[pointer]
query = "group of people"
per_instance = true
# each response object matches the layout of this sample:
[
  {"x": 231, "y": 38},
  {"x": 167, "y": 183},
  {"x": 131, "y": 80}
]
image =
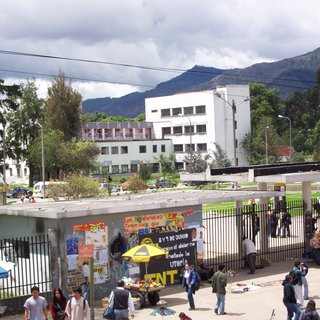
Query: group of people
[
  {"x": 296, "y": 291},
  {"x": 76, "y": 308},
  {"x": 60, "y": 307},
  {"x": 278, "y": 224}
]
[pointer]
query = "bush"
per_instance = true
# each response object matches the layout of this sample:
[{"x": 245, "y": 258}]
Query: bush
[{"x": 81, "y": 187}]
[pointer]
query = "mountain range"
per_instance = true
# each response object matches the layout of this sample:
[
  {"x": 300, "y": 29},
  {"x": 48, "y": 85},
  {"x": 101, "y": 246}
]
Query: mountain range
[{"x": 289, "y": 75}]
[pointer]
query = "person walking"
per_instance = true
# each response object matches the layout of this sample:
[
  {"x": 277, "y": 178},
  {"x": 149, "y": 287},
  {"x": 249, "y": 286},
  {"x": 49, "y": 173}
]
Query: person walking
[
  {"x": 285, "y": 224},
  {"x": 297, "y": 282},
  {"x": 35, "y": 307},
  {"x": 77, "y": 307},
  {"x": 310, "y": 312},
  {"x": 304, "y": 271},
  {"x": 58, "y": 305},
  {"x": 188, "y": 282},
  {"x": 250, "y": 252},
  {"x": 289, "y": 299},
  {"x": 219, "y": 282},
  {"x": 121, "y": 302}
]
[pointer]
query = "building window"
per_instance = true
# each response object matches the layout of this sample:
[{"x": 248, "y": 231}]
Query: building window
[
  {"x": 155, "y": 167},
  {"x": 200, "y": 109},
  {"x": 163, "y": 148},
  {"x": 188, "y": 129},
  {"x": 114, "y": 150},
  {"x": 177, "y": 130},
  {"x": 166, "y": 130},
  {"x": 18, "y": 171},
  {"x": 165, "y": 113},
  {"x": 104, "y": 150},
  {"x": 10, "y": 170},
  {"x": 201, "y": 128},
  {"x": 134, "y": 168},
  {"x": 124, "y": 149},
  {"x": 142, "y": 149},
  {"x": 115, "y": 169},
  {"x": 25, "y": 171},
  {"x": 154, "y": 110},
  {"x": 179, "y": 166},
  {"x": 124, "y": 168},
  {"x": 154, "y": 148},
  {"x": 178, "y": 147},
  {"x": 176, "y": 111},
  {"x": 188, "y": 110},
  {"x": 187, "y": 147},
  {"x": 201, "y": 147}
]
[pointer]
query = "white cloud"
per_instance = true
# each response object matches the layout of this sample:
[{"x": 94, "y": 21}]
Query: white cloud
[{"x": 155, "y": 33}]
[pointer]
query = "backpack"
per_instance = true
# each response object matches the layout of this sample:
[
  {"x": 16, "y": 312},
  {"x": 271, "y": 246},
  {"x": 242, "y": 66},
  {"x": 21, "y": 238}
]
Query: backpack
[{"x": 197, "y": 281}]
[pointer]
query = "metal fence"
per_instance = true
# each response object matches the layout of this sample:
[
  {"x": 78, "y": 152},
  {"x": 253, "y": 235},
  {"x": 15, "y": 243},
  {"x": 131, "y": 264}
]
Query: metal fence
[
  {"x": 224, "y": 230},
  {"x": 31, "y": 256}
]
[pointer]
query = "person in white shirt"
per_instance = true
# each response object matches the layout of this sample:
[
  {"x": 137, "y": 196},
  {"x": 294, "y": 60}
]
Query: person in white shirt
[
  {"x": 77, "y": 307},
  {"x": 250, "y": 252}
]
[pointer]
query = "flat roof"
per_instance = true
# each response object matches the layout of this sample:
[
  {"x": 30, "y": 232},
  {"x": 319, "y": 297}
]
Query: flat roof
[{"x": 131, "y": 202}]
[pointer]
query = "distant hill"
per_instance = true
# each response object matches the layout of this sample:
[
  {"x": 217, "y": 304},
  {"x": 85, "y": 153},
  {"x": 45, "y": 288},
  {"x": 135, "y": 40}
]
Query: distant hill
[{"x": 289, "y": 75}]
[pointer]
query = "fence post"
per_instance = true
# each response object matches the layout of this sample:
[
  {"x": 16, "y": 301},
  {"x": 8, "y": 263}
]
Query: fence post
[{"x": 54, "y": 258}]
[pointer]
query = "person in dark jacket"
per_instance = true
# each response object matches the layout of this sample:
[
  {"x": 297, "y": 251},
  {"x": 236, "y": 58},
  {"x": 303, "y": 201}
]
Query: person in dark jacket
[
  {"x": 188, "y": 282},
  {"x": 58, "y": 305},
  {"x": 219, "y": 282},
  {"x": 121, "y": 302},
  {"x": 289, "y": 298}
]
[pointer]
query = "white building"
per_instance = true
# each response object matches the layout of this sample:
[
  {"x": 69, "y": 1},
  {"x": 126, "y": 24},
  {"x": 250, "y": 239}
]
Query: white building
[
  {"x": 201, "y": 119},
  {"x": 123, "y": 145}
]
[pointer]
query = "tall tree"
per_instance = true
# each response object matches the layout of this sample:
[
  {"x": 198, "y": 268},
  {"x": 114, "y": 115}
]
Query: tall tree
[
  {"x": 166, "y": 162},
  {"x": 196, "y": 162},
  {"x": 63, "y": 108},
  {"x": 220, "y": 159},
  {"x": 9, "y": 102},
  {"x": 22, "y": 127}
]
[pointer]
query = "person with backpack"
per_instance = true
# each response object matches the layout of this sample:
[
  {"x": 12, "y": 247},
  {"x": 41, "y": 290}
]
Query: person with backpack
[
  {"x": 189, "y": 280},
  {"x": 219, "y": 282},
  {"x": 310, "y": 312},
  {"x": 296, "y": 274},
  {"x": 77, "y": 307},
  {"x": 289, "y": 299}
]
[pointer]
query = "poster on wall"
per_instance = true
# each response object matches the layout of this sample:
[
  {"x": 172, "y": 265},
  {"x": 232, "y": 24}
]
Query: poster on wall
[
  {"x": 90, "y": 235},
  {"x": 181, "y": 250},
  {"x": 197, "y": 236},
  {"x": 160, "y": 222}
]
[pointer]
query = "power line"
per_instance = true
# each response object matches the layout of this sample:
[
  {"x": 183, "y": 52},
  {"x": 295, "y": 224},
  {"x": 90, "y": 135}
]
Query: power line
[{"x": 176, "y": 70}]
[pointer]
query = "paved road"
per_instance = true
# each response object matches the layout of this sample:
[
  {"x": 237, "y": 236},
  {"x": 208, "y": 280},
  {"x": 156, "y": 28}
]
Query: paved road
[{"x": 256, "y": 304}]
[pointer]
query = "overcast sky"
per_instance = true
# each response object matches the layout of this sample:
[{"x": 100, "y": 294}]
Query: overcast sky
[{"x": 148, "y": 33}]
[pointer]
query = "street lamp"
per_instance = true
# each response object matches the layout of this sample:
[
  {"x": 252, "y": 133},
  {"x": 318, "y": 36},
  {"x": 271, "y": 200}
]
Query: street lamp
[
  {"x": 190, "y": 131},
  {"x": 290, "y": 140},
  {"x": 42, "y": 160},
  {"x": 234, "y": 110},
  {"x": 266, "y": 141}
]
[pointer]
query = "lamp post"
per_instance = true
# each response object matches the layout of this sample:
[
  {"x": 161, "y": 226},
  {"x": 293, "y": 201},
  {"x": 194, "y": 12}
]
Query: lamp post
[
  {"x": 190, "y": 131},
  {"x": 266, "y": 141},
  {"x": 234, "y": 110},
  {"x": 42, "y": 160},
  {"x": 290, "y": 140}
]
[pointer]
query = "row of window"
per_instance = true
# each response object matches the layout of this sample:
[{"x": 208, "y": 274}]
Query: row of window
[
  {"x": 124, "y": 168},
  {"x": 168, "y": 112},
  {"x": 201, "y": 147},
  {"x": 124, "y": 149},
  {"x": 200, "y": 128}
]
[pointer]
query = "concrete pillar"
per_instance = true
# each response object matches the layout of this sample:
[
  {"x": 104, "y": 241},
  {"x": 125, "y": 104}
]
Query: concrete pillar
[
  {"x": 306, "y": 195},
  {"x": 54, "y": 258},
  {"x": 264, "y": 244}
]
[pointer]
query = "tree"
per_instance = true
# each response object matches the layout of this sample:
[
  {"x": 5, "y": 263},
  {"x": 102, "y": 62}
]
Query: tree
[
  {"x": 220, "y": 159},
  {"x": 9, "y": 102},
  {"x": 22, "y": 126},
  {"x": 166, "y": 162},
  {"x": 135, "y": 183},
  {"x": 145, "y": 171},
  {"x": 196, "y": 162},
  {"x": 63, "y": 108}
]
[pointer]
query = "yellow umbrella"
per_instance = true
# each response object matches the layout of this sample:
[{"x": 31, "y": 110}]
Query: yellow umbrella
[{"x": 144, "y": 252}]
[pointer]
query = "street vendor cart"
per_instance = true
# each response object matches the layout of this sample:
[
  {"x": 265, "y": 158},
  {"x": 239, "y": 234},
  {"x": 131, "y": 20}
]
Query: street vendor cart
[{"x": 150, "y": 294}]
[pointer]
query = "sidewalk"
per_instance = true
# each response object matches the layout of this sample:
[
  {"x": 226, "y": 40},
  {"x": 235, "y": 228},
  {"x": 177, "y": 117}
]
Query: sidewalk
[{"x": 255, "y": 304}]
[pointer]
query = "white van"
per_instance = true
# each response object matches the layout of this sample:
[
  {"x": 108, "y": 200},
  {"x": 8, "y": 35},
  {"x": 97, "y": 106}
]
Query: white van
[{"x": 38, "y": 187}]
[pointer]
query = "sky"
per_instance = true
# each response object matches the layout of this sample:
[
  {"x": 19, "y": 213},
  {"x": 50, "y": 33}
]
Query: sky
[{"x": 133, "y": 45}]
